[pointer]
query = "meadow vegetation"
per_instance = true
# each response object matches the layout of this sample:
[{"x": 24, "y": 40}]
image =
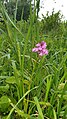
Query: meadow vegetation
[{"x": 33, "y": 86}]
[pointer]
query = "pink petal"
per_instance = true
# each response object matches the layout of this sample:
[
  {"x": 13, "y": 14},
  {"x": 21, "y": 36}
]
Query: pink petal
[
  {"x": 41, "y": 54},
  {"x": 34, "y": 49},
  {"x": 37, "y": 45},
  {"x": 45, "y": 52},
  {"x": 40, "y": 48},
  {"x": 44, "y": 45}
]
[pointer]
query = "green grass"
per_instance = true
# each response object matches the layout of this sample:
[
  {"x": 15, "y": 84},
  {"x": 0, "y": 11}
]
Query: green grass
[{"x": 34, "y": 87}]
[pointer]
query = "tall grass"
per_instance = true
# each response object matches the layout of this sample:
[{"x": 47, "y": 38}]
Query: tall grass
[{"x": 35, "y": 87}]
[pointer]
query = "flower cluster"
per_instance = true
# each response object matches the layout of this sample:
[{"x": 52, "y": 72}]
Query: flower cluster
[{"x": 41, "y": 48}]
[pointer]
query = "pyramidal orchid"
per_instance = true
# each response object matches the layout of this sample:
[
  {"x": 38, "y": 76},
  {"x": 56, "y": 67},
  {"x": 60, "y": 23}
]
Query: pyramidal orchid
[{"x": 41, "y": 48}]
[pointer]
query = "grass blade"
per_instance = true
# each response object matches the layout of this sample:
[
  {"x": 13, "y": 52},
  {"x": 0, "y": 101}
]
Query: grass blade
[
  {"x": 39, "y": 108},
  {"x": 8, "y": 117}
]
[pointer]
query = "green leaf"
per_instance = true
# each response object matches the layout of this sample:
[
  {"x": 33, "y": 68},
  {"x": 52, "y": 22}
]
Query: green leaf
[
  {"x": 4, "y": 103},
  {"x": 4, "y": 88},
  {"x": 11, "y": 80}
]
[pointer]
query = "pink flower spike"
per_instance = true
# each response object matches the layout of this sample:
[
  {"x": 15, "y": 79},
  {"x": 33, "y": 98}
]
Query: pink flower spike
[{"x": 41, "y": 48}]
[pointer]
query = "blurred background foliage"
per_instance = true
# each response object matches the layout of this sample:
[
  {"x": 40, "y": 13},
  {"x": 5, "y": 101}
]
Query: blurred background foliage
[{"x": 50, "y": 24}]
